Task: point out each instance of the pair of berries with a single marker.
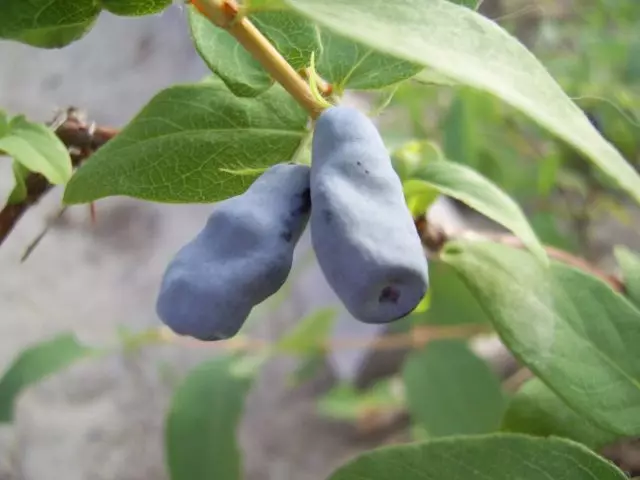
(362, 232)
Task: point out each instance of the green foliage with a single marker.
(208, 141)
(536, 410)
(451, 301)
(135, 7)
(35, 363)
(57, 23)
(36, 148)
(193, 143)
(571, 329)
(343, 62)
(630, 265)
(344, 402)
(482, 457)
(47, 23)
(202, 421)
(450, 391)
(348, 64)
(19, 192)
(242, 74)
(469, 48)
(308, 335)
(470, 187)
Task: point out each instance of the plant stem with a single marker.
(225, 14)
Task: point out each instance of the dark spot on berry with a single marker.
(389, 294)
(305, 202)
(367, 172)
(286, 235)
(327, 216)
(359, 163)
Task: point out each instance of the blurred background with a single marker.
(103, 419)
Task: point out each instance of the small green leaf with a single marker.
(571, 329)
(451, 391)
(200, 433)
(292, 35)
(309, 335)
(347, 64)
(4, 123)
(419, 196)
(471, 49)
(34, 364)
(536, 410)
(470, 187)
(344, 402)
(481, 457)
(630, 264)
(222, 53)
(410, 156)
(135, 8)
(37, 148)
(178, 147)
(307, 369)
(47, 23)
(19, 192)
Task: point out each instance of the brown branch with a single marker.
(82, 140)
(434, 238)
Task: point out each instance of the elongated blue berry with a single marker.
(361, 229)
(241, 257)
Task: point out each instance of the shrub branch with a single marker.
(82, 140)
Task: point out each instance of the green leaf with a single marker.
(34, 364)
(451, 301)
(451, 391)
(47, 23)
(472, 50)
(292, 35)
(481, 457)
(344, 402)
(536, 410)
(19, 192)
(37, 148)
(348, 64)
(4, 123)
(135, 7)
(468, 186)
(461, 130)
(178, 147)
(630, 264)
(201, 425)
(308, 335)
(419, 196)
(433, 77)
(222, 53)
(572, 330)
(255, 5)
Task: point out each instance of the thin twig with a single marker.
(82, 140)
(417, 338)
(434, 238)
(513, 383)
(561, 256)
